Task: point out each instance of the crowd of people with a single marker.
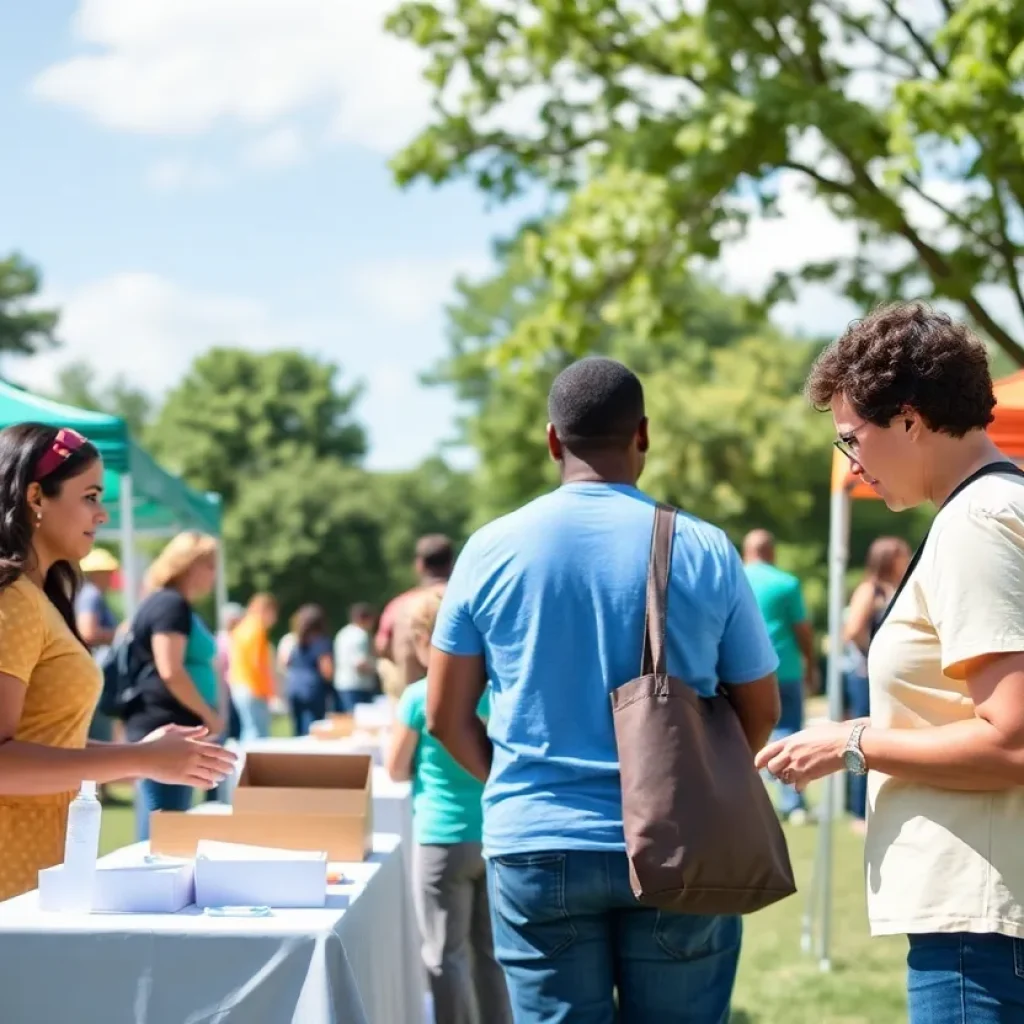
(504, 665)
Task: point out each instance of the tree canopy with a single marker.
(24, 328)
(660, 129)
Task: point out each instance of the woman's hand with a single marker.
(178, 755)
(806, 756)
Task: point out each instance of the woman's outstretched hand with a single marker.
(181, 755)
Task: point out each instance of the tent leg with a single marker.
(129, 563)
(222, 580)
(821, 886)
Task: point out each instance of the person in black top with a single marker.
(172, 659)
(310, 672)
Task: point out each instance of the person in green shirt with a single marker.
(449, 875)
(781, 601)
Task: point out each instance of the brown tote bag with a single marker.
(701, 833)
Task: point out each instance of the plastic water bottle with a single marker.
(81, 850)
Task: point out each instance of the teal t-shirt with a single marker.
(781, 601)
(447, 802)
(200, 652)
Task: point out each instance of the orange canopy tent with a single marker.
(1007, 431)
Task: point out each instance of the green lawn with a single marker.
(778, 984)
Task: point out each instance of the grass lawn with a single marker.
(778, 984)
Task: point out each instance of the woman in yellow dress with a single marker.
(51, 486)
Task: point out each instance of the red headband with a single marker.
(64, 445)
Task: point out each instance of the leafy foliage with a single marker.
(669, 126)
(77, 385)
(24, 329)
(238, 415)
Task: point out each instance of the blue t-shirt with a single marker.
(446, 799)
(781, 602)
(303, 678)
(553, 597)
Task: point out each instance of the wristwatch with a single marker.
(853, 756)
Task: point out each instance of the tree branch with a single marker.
(1007, 248)
(923, 44)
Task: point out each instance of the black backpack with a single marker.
(120, 692)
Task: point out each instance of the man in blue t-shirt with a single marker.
(548, 605)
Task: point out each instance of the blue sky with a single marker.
(196, 172)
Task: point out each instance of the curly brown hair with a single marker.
(908, 355)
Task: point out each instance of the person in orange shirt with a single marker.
(253, 679)
(51, 486)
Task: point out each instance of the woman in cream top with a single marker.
(51, 484)
(911, 396)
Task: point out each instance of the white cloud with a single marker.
(406, 292)
(149, 329)
(278, 148)
(180, 67)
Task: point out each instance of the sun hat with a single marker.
(99, 560)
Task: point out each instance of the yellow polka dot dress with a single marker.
(62, 685)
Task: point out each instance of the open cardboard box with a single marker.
(294, 801)
(333, 727)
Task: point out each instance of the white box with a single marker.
(233, 874)
(143, 888)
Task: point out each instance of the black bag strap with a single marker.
(993, 467)
(654, 661)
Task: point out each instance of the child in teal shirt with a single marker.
(450, 879)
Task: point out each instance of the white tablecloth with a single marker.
(335, 965)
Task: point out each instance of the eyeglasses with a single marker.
(847, 443)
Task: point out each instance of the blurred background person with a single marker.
(887, 561)
(173, 656)
(97, 626)
(230, 616)
(450, 877)
(780, 598)
(355, 673)
(435, 557)
(253, 678)
(309, 676)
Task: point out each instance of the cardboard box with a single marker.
(334, 727)
(307, 801)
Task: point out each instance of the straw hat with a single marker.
(99, 560)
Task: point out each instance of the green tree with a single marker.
(671, 127)
(236, 416)
(24, 329)
(77, 385)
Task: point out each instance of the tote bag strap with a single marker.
(654, 661)
(993, 467)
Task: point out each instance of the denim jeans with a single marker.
(791, 720)
(965, 979)
(346, 700)
(157, 796)
(306, 711)
(568, 933)
(253, 715)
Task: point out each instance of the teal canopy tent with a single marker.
(143, 498)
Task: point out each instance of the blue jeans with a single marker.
(965, 979)
(157, 796)
(568, 933)
(253, 715)
(307, 710)
(791, 720)
(345, 701)
(857, 705)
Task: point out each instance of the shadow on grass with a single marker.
(741, 1017)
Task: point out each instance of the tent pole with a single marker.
(129, 563)
(222, 580)
(821, 886)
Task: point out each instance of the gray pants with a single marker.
(455, 923)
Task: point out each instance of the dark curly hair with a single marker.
(21, 447)
(908, 355)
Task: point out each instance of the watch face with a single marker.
(854, 761)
